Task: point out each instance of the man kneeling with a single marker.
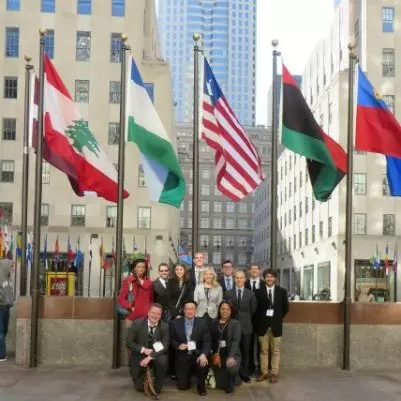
(148, 339)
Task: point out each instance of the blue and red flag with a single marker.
(378, 131)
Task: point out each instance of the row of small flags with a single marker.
(386, 265)
(77, 257)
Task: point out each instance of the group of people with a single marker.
(193, 322)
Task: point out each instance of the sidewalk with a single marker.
(91, 384)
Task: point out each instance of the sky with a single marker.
(298, 25)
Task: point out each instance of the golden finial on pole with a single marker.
(42, 32)
(124, 38)
(274, 43)
(351, 47)
(196, 37)
(27, 58)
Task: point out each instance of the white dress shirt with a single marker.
(164, 282)
(256, 281)
(229, 279)
(272, 290)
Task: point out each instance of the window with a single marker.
(13, 5)
(141, 177)
(306, 205)
(118, 8)
(205, 190)
(114, 133)
(242, 259)
(49, 43)
(243, 224)
(360, 183)
(144, 217)
(204, 222)
(385, 186)
(388, 63)
(78, 215)
(115, 54)
(9, 128)
(388, 19)
(218, 207)
(300, 239)
(83, 50)
(390, 101)
(151, 91)
(313, 234)
(230, 207)
(295, 242)
(6, 213)
(204, 241)
(360, 223)
(300, 209)
(243, 208)
(7, 171)
(81, 91)
(388, 224)
(330, 226)
(230, 242)
(10, 87)
(115, 92)
(190, 206)
(217, 223)
(217, 241)
(216, 257)
(205, 206)
(111, 216)
(229, 224)
(84, 7)
(48, 6)
(12, 42)
(205, 174)
(321, 230)
(306, 237)
(45, 173)
(295, 213)
(44, 214)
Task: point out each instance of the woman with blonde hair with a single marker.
(208, 295)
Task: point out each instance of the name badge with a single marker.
(222, 343)
(158, 346)
(270, 312)
(191, 345)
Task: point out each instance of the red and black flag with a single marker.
(326, 159)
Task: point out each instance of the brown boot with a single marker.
(273, 379)
(262, 377)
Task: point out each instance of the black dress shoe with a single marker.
(245, 378)
(202, 393)
(229, 390)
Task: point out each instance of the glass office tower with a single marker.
(228, 30)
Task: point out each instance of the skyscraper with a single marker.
(228, 32)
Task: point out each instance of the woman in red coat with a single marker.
(138, 288)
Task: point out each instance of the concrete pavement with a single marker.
(91, 384)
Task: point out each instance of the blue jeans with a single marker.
(4, 319)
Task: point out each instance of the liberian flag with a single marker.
(239, 169)
(162, 169)
(69, 144)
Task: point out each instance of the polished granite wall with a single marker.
(79, 332)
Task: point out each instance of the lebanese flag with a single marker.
(68, 143)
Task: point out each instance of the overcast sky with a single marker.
(298, 25)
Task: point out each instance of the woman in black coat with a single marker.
(226, 337)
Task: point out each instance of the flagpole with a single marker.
(120, 205)
(348, 215)
(25, 175)
(273, 179)
(195, 151)
(33, 357)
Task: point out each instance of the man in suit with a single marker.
(227, 281)
(245, 304)
(160, 290)
(191, 341)
(254, 283)
(148, 340)
(198, 269)
(272, 308)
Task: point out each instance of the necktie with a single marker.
(151, 331)
(239, 297)
(228, 284)
(270, 296)
(254, 286)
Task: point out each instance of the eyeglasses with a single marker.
(163, 271)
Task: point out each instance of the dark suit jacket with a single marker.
(174, 295)
(280, 307)
(248, 284)
(233, 338)
(137, 337)
(160, 294)
(247, 308)
(222, 282)
(200, 334)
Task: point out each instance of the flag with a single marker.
(70, 253)
(57, 251)
(386, 260)
(90, 249)
(378, 131)
(375, 260)
(45, 254)
(18, 243)
(182, 255)
(69, 144)
(29, 250)
(162, 168)
(238, 165)
(326, 159)
(79, 256)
